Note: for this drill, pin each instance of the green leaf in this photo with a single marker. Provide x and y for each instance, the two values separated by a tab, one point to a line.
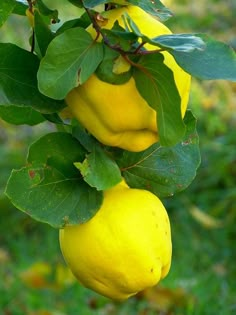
92	3
43	34
44	10
6	8
84	138
198	54
20	7
154	7
155	82
20	115
59	150
99	170
77	3
54	118
10	157
48	196
164	170
105	69
118	39
83	21
70	59
216	61
18	82
178	42
50	188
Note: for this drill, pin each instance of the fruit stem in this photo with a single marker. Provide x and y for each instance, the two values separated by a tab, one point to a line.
30	3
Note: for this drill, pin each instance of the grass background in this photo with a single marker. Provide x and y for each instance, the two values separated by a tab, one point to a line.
202	280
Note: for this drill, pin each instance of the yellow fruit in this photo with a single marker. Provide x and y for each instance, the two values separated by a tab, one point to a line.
30	16
117	115
125	248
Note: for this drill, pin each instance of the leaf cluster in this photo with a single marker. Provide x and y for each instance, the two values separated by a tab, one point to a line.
67	171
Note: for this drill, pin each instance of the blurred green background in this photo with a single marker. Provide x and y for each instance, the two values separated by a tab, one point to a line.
202	280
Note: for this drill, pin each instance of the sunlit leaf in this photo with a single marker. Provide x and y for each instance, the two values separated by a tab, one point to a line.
99	170
205	219
42	33
6	8
70	59
83	21
45	10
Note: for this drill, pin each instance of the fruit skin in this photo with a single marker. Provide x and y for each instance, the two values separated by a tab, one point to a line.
117	115
123	249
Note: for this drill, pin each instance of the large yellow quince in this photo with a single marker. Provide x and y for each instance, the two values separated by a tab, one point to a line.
124	248
117	115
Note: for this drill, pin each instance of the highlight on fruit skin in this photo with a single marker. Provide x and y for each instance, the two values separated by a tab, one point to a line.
117	115
124	248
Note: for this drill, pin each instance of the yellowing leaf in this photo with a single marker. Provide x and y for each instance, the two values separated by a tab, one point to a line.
4	256
205	219
36	275
164	299
64	276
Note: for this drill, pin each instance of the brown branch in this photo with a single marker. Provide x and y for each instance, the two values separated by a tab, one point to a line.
136	51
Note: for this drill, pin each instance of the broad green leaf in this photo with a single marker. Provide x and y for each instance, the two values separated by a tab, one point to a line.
20	7
59	150
118	39
48	196
77	3
155	82
83	21
154	7
50	188
179	42
42	33
70	59
92	3
46	11
164	170
216	61
84	138
198	54
54	118
20	115
9	157
18	82
99	170
6	8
